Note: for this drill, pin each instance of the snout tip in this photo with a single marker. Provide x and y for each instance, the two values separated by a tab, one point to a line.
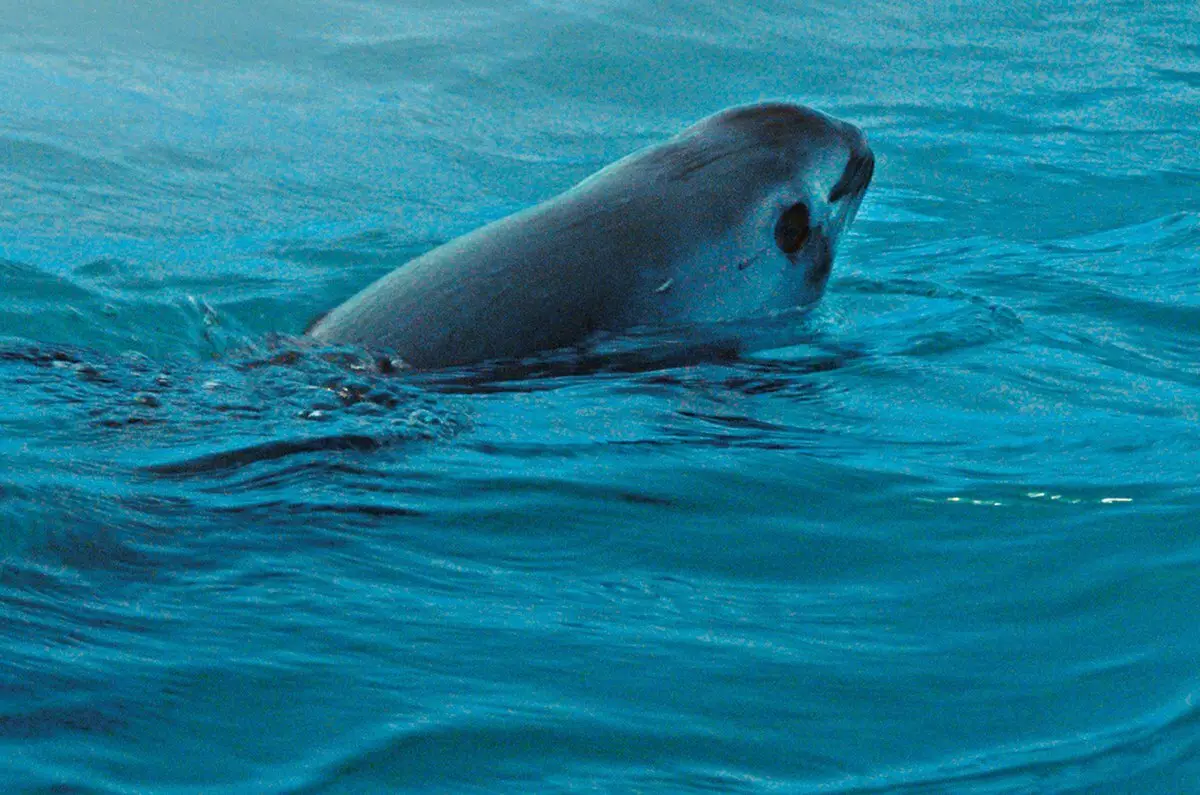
857	176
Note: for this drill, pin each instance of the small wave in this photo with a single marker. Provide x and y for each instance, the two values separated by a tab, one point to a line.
486	753
1187	77
1167	233
47	162
267	451
428	754
950	319
1104	756
24	281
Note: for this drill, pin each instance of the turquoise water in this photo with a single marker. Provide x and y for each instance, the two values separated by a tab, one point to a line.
947	542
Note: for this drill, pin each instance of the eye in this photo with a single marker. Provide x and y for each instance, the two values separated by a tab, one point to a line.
791	231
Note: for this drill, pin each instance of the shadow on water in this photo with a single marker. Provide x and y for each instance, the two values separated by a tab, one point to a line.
664	351
283	397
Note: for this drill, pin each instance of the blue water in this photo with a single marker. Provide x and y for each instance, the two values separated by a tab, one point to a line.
947	542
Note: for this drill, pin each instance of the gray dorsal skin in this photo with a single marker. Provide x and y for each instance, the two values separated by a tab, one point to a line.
737	215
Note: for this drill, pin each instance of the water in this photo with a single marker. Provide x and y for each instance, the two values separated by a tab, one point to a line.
947	542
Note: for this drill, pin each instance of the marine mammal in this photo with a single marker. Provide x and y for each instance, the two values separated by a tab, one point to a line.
737	215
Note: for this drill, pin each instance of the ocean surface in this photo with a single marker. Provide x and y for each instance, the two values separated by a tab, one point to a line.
946	540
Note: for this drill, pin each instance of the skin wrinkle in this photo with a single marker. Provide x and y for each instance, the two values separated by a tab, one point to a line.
685	163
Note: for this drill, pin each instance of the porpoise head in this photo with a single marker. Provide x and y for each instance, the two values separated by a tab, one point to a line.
760	196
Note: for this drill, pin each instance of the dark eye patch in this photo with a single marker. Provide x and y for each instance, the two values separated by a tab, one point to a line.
791	231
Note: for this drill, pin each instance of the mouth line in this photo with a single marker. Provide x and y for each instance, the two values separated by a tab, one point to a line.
822	263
